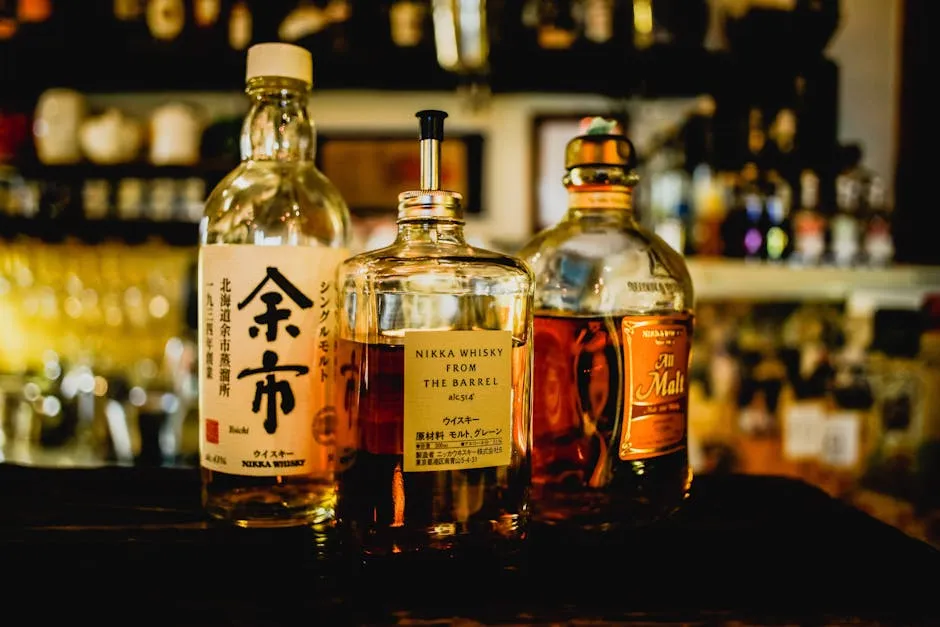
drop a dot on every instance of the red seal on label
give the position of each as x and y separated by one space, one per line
212 431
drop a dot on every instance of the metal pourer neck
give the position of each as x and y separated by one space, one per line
430 202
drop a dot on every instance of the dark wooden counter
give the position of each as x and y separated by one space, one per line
130 546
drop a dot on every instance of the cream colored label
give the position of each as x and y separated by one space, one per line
600 200
804 429
458 400
267 338
842 439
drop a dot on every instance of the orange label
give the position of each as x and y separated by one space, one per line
601 198
656 357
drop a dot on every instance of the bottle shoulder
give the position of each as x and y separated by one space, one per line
607 243
444 266
259 200
586 266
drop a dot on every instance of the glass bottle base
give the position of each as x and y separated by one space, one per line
443 539
270 506
457 573
394 549
629 505
599 512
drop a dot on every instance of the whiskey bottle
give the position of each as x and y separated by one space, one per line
435 368
273 233
613 330
845 224
809 224
877 240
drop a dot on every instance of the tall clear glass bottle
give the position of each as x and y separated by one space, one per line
613 330
273 233
435 360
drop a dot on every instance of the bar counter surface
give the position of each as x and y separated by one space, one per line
130 545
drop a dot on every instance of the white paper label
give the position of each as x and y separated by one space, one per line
841 441
804 429
267 334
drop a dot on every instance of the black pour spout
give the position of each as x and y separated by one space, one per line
431 135
432 124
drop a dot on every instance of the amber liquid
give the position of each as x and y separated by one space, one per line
391 511
578 401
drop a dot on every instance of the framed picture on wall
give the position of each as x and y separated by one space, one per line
551 134
370 171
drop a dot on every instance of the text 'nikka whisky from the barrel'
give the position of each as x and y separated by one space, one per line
273 233
434 383
613 333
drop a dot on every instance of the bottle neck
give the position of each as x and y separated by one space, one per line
435 231
278 127
600 191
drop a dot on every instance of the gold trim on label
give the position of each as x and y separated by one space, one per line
600 200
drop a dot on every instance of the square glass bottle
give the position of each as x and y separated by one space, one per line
613 332
435 366
273 233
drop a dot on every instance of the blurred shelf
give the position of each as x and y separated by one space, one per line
87 49
209 169
54 230
32 66
656 72
27 69
721 279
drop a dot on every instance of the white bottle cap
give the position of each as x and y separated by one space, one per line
279 59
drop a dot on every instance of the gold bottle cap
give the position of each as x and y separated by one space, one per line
601 143
429 203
